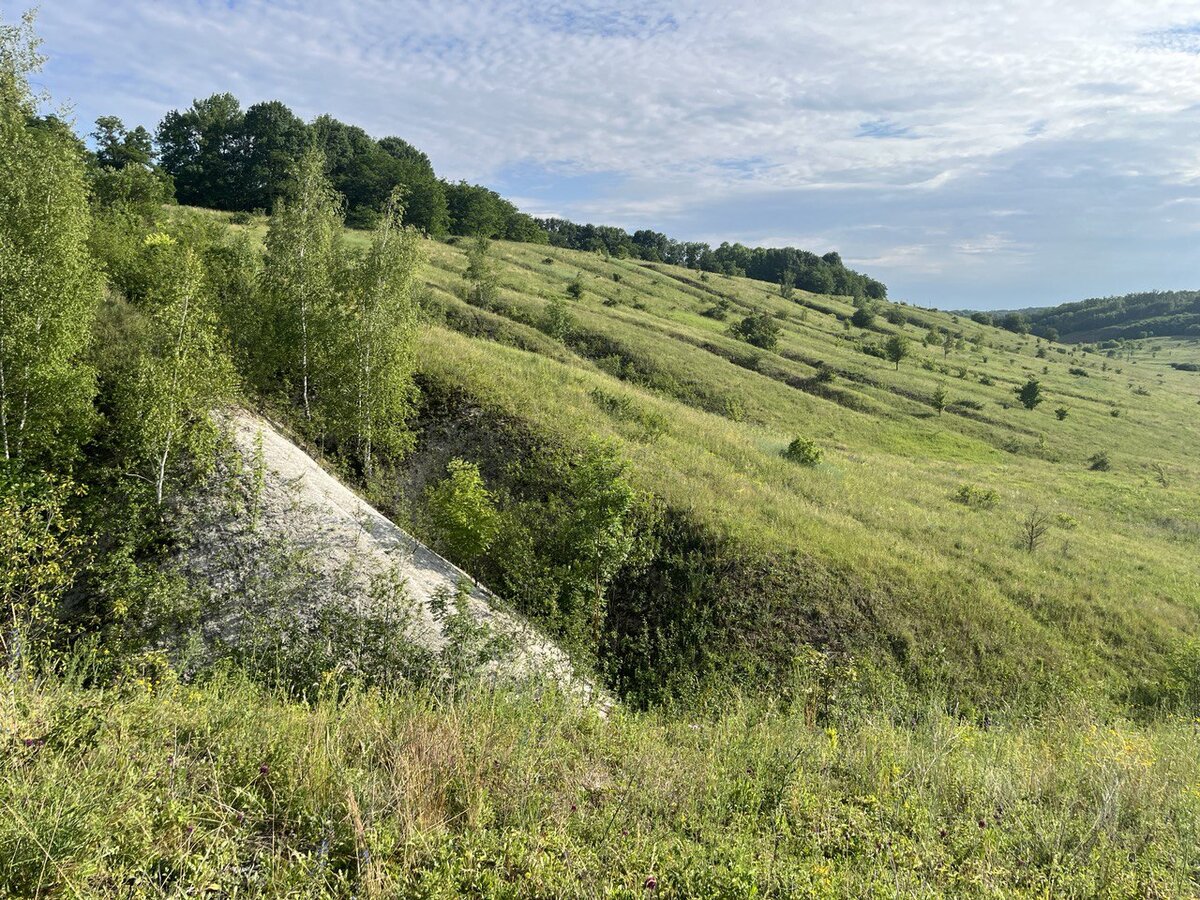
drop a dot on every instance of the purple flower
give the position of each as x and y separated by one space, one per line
651 883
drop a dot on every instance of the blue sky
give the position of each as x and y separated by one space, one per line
970 154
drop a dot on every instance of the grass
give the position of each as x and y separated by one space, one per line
1099 604
936 712
938 590
225 789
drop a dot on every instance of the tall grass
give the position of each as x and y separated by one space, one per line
228 789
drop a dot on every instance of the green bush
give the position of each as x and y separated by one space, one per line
804 451
976 496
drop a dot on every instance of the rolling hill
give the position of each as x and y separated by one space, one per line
1129 317
905 547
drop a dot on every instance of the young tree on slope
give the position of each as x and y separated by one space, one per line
381 333
49 287
181 372
302 253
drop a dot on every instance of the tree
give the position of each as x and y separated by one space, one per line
49 286
1030 393
302 257
787 283
462 512
201 148
480 274
117 148
601 528
476 211
272 141
939 398
1033 528
1015 322
897 349
181 372
381 334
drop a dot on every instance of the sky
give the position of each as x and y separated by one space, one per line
969 153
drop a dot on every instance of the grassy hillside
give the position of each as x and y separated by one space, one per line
1153 314
872 552
878 552
904 549
157 789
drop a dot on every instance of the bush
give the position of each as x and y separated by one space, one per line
863 317
1061 413
1075 370
976 496
804 451
1099 462
759 329
462 513
241 217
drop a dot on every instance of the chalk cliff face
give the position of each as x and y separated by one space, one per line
296 537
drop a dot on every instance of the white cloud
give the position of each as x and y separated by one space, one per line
692 104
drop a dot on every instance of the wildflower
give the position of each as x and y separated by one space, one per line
264 769
651 883
983 823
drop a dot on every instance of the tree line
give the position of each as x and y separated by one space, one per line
1128 317
785 266
218 155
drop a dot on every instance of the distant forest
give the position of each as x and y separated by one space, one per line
1129 317
218 155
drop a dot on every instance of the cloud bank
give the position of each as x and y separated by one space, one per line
968 153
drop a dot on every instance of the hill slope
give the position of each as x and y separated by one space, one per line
1129 317
873 552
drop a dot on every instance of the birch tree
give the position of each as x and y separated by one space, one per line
49 287
380 330
300 268
181 372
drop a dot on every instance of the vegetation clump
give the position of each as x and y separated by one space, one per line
759 329
804 451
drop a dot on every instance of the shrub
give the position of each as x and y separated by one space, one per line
863 317
804 451
461 511
759 329
1099 462
718 310
1061 413
575 288
976 496
1075 370
241 217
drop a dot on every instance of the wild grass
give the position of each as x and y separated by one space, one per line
227 789
944 587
